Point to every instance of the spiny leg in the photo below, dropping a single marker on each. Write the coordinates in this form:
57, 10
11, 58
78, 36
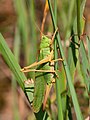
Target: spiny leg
34, 70
27, 69
48, 59
45, 60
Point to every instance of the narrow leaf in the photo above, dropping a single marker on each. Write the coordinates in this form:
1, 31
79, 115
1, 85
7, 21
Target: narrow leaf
69, 79
11, 62
85, 66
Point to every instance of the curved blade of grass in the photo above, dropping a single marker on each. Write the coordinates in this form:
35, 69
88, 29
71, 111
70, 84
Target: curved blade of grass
85, 66
11, 62
71, 87
14, 67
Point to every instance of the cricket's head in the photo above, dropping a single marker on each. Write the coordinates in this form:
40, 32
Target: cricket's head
45, 42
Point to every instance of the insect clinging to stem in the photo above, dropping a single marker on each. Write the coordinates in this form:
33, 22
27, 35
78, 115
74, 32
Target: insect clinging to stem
44, 72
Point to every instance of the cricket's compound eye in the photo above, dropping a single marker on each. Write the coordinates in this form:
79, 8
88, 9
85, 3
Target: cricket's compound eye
43, 37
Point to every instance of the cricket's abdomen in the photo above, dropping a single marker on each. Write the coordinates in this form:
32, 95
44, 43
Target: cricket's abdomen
39, 91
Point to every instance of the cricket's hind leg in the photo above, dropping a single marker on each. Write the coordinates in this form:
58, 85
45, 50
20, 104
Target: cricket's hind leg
45, 60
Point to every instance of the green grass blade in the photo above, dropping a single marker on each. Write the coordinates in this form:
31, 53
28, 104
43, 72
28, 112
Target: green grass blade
85, 66
71, 87
72, 59
69, 14
58, 95
59, 100
22, 21
73, 53
88, 45
11, 62
81, 17
78, 18
33, 36
62, 90
13, 65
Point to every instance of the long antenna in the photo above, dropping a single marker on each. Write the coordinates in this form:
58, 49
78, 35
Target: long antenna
52, 40
39, 29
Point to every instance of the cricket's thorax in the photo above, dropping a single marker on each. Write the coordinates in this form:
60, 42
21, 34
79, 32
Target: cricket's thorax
45, 47
45, 42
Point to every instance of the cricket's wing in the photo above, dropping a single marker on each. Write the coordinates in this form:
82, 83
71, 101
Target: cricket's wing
39, 92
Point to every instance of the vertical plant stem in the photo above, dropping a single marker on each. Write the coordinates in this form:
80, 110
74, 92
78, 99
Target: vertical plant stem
55, 10
22, 24
71, 87
58, 95
33, 41
55, 41
78, 18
